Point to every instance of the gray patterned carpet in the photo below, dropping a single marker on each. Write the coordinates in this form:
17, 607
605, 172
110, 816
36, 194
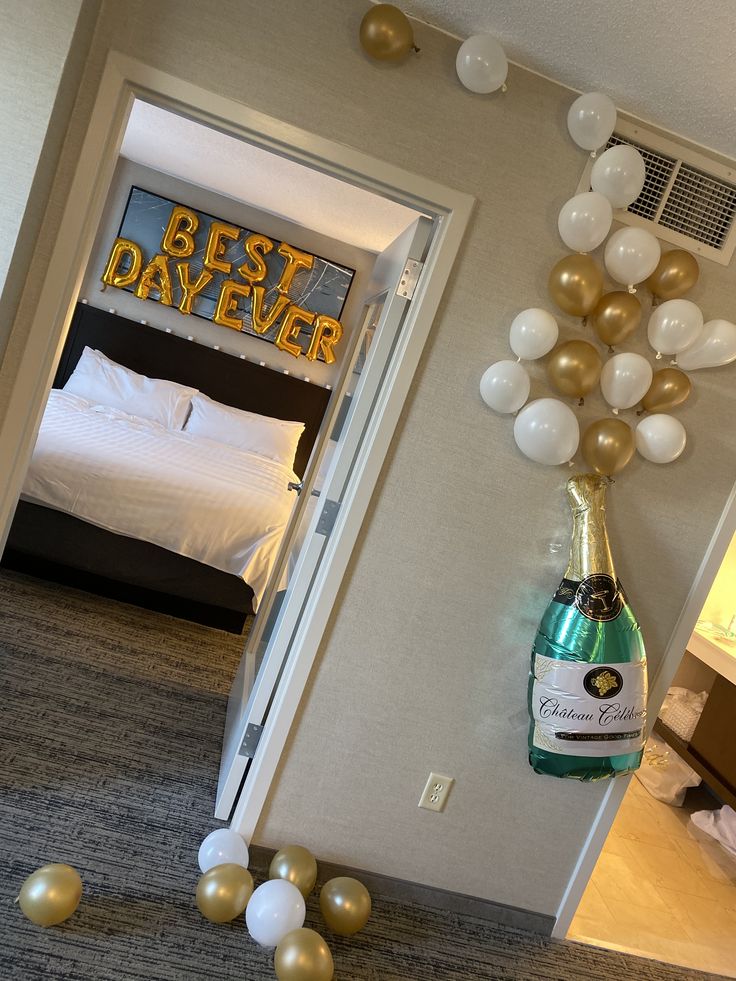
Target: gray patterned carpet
108, 758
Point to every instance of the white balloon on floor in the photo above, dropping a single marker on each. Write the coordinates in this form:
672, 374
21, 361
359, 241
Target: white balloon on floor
619, 174
221, 846
584, 221
631, 255
481, 64
714, 346
660, 438
505, 386
547, 431
533, 333
275, 909
625, 380
674, 325
591, 119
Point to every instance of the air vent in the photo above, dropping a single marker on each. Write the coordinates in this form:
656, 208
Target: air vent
687, 200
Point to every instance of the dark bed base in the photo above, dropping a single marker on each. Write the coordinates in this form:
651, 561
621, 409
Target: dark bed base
52, 545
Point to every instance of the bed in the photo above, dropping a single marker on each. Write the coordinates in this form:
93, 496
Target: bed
185, 567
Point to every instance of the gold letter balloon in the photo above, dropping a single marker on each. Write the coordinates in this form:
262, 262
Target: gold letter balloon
616, 315
608, 445
50, 894
676, 274
303, 956
670, 387
574, 368
223, 892
576, 284
385, 33
297, 865
345, 904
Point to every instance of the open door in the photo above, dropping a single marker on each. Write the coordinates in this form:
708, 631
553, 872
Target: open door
254, 692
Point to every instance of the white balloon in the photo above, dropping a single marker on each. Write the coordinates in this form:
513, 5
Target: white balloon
660, 438
533, 333
222, 846
631, 255
584, 221
481, 64
618, 174
625, 380
547, 432
674, 325
275, 909
591, 119
505, 386
715, 346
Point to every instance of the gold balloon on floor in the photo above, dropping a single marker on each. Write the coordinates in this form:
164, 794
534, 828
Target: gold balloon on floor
345, 904
576, 284
670, 387
676, 274
616, 315
608, 445
303, 956
574, 368
223, 892
50, 894
386, 33
297, 865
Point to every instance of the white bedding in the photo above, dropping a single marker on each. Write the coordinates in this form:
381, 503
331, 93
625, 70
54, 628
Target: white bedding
220, 505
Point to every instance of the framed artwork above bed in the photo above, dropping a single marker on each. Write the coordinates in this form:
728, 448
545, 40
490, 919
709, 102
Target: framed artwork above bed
233, 276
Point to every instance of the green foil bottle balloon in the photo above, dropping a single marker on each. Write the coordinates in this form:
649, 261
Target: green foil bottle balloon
588, 679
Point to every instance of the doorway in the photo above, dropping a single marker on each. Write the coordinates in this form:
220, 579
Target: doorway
364, 417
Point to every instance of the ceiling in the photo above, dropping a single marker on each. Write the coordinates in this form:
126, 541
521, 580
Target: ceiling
221, 163
671, 62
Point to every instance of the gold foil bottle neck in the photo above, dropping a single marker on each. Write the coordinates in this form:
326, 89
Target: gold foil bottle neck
590, 552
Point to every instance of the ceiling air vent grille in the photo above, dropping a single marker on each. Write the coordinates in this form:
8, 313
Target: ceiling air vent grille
688, 199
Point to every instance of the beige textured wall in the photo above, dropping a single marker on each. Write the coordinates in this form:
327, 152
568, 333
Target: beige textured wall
424, 664
128, 173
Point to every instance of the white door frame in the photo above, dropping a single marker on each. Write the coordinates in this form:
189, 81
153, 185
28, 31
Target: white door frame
676, 646
123, 80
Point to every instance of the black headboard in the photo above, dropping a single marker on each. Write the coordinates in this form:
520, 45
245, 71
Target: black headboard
223, 377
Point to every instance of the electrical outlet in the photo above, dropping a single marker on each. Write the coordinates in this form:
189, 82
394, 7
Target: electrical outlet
434, 796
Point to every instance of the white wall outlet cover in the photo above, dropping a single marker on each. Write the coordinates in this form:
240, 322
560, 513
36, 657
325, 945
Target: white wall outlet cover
435, 793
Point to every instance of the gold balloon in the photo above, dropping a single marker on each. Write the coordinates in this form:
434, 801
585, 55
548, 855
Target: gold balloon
576, 284
345, 905
676, 273
223, 892
616, 315
574, 368
386, 33
608, 445
670, 387
50, 894
303, 956
297, 865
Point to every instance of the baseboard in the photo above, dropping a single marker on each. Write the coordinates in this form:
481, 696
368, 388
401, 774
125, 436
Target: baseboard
413, 892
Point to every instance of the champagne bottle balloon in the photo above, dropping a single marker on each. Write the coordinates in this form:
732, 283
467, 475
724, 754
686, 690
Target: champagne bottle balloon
588, 678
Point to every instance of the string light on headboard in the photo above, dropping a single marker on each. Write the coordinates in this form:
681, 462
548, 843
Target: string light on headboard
84, 300
111, 310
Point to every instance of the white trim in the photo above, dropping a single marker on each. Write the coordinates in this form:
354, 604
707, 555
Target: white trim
123, 80
679, 638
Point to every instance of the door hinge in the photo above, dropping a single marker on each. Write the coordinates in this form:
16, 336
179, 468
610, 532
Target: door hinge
327, 518
409, 278
251, 739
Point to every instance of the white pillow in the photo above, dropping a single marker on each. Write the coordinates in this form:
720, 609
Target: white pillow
275, 439
104, 382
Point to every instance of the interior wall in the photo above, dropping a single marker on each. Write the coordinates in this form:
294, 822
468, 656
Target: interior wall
424, 664
127, 174
720, 606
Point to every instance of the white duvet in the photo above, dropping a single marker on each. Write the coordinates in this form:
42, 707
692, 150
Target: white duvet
222, 506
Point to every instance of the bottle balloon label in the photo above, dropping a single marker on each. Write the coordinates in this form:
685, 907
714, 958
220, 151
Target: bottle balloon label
584, 709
